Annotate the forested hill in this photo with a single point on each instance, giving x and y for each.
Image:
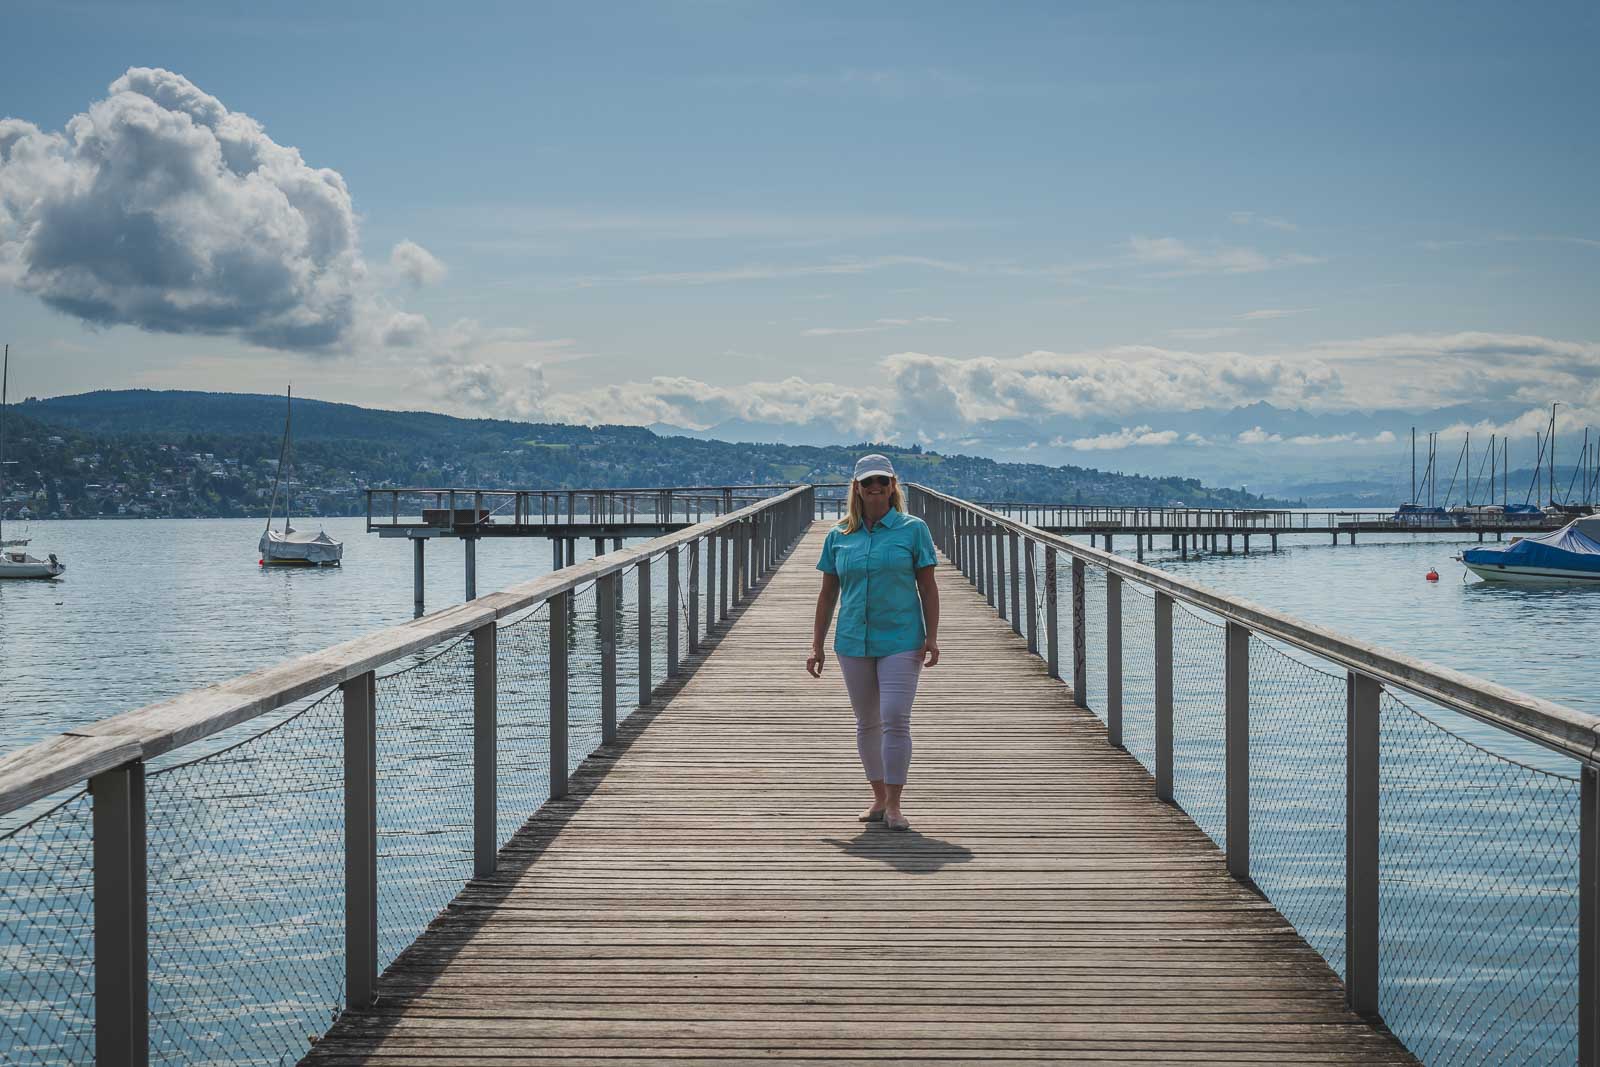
(139, 452)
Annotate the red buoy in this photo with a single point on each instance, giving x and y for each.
(1433, 575)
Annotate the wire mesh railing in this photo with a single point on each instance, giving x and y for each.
(223, 908)
(1451, 887)
(47, 936)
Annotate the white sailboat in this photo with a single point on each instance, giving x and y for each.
(289, 547)
(15, 562)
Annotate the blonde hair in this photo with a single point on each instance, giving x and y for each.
(854, 519)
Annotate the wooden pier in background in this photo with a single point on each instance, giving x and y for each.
(704, 894)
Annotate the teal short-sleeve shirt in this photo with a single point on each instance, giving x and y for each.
(880, 612)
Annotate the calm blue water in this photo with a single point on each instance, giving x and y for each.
(1478, 853)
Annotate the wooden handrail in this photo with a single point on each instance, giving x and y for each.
(1566, 730)
(77, 755)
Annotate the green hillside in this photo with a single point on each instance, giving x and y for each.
(181, 454)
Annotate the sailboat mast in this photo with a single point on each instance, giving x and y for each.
(1413, 465)
(288, 484)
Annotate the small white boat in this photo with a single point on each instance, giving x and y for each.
(289, 547)
(14, 562)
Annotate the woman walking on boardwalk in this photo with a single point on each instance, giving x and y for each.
(877, 567)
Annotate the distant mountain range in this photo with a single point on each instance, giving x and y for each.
(141, 452)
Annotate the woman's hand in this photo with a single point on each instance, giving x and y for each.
(930, 652)
(815, 661)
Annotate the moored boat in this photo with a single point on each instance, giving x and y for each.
(1570, 554)
(14, 561)
(289, 547)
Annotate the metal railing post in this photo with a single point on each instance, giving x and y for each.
(485, 716)
(1361, 844)
(672, 612)
(560, 624)
(694, 597)
(606, 599)
(360, 840)
(1080, 636)
(1163, 641)
(121, 918)
(1000, 570)
(1016, 584)
(1589, 916)
(1033, 598)
(711, 582)
(723, 593)
(1052, 620)
(646, 626)
(986, 568)
(1114, 659)
(1236, 749)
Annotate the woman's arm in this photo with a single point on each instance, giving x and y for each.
(928, 590)
(827, 599)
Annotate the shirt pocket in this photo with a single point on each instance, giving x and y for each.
(850, 559)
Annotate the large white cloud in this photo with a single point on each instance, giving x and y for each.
(160, 208)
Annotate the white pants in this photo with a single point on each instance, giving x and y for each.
(881, 690)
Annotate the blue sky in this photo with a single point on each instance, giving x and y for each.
(930, 220)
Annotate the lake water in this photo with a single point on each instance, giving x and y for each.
(1478, 853)
(149, 609)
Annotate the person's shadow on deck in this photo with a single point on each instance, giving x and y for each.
(906, 851)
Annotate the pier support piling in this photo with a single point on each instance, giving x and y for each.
(470, 549)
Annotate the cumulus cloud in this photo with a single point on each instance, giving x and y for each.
(1126, 437)
(160, 208)
(416, 264)
(698, 405)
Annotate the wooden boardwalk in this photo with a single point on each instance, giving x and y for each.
(705, 895)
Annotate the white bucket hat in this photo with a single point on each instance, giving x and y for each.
(867, 466)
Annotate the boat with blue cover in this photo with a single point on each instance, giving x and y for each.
(1570, 554)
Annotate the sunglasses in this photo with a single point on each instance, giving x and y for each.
(876, 481)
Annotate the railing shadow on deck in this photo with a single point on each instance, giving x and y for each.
(427, 958)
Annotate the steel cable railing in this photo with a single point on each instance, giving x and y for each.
(256, 933)
(246, 866)
(1198, 766)
(1479, 860)
(47, 935)
(1297, 792)
(522, 726)
(1442, 880)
